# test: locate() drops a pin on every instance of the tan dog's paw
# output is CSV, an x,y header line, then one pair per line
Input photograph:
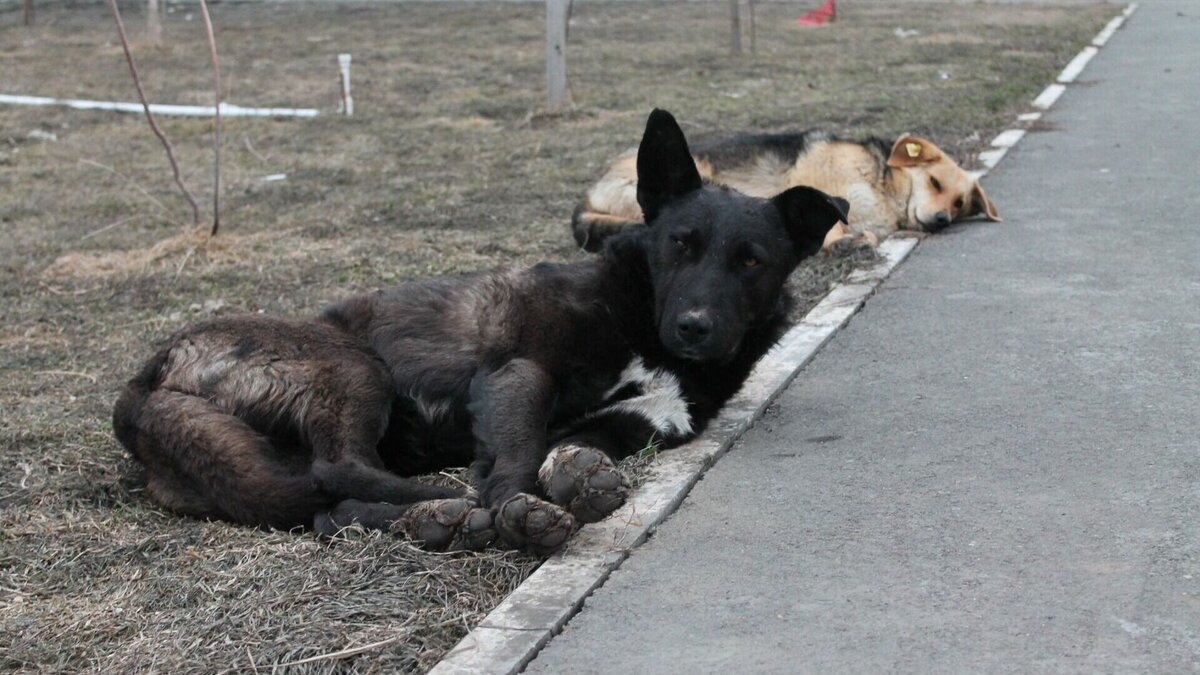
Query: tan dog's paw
x,y
853,242
585,480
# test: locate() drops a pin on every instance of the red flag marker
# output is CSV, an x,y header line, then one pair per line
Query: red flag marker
x,y
826,12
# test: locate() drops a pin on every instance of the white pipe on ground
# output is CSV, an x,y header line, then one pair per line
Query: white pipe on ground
x,y
227,109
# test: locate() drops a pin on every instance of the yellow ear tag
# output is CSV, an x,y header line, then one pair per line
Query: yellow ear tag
x,y
914,149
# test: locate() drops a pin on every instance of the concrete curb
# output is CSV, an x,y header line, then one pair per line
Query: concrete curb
x,y
512,634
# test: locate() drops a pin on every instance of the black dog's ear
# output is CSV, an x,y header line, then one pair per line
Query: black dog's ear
x,y
808,214
665,167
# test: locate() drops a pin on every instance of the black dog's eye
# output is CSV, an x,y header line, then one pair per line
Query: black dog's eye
x,y
681,242
937,185
958,203
750,261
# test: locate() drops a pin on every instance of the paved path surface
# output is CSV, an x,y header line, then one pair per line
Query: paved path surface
x,y
996,466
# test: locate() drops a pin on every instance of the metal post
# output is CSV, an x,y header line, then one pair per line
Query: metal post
x,y
557,14
735,28
753,31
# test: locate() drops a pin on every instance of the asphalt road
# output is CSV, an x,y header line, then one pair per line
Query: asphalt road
x,y
996,466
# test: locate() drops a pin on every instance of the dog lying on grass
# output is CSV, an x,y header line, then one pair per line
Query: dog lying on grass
x,y
541,378
907,185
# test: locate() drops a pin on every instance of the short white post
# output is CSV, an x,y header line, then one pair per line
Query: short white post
x,y
557,14
347,106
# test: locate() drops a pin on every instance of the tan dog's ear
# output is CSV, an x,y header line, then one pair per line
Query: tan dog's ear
x,y
981,204
913,151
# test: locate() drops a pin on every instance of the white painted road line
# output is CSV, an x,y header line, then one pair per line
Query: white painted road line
x,y
1077,64
1102,37
1008,138
1048,96
990,158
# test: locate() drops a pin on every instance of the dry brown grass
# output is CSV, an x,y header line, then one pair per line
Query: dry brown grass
x,y
446,167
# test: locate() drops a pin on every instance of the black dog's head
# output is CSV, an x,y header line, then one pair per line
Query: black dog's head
x,y
717,258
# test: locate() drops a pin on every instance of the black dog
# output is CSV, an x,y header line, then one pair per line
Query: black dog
x,y
541,377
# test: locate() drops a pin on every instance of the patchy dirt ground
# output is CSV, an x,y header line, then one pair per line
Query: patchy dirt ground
x,y
447,166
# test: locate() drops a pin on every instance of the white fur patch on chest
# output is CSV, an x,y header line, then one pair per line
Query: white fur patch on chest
x,y
660,400
431,410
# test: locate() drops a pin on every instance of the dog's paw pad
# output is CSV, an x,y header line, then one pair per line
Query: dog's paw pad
x,y
526,522
448,525
585,480
850,244
479,530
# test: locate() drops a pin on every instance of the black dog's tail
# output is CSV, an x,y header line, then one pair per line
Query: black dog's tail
x,y
128,409
591,228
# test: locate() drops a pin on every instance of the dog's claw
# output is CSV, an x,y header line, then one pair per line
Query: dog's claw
x,y
585,480
448,525
526,522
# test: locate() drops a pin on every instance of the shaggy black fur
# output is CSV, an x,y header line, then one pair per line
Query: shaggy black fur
x,y
272,422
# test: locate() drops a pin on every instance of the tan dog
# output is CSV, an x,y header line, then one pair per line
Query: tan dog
x,y
908,185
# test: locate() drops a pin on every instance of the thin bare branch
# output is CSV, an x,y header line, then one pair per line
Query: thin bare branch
x,y
110,226
137,82
251,150
403,630
212,51
128,180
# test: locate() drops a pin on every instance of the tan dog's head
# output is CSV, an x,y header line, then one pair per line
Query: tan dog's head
x,y
941,191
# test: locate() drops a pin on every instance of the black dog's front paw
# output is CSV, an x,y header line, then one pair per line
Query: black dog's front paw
x,y
438,524
585,480
526,522
448,525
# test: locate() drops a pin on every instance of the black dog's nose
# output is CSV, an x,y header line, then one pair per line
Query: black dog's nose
x,y
694,326
942,219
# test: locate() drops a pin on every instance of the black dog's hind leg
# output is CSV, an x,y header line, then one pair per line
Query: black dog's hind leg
x,y
204,462
437,524
356,478
344,424
344,429
510,408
